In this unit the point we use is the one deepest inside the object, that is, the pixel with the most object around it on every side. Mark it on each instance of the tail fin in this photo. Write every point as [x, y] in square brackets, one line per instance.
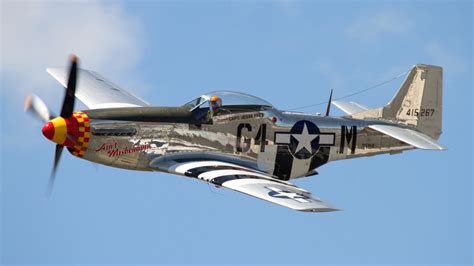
[418, 102]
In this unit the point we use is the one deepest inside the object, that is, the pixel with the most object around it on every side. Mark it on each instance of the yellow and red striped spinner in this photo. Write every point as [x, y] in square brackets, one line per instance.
[73, 132]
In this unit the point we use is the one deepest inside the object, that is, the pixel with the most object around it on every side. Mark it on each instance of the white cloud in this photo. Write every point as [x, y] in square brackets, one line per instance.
[40, 34]
[36, 35]
[371, 27]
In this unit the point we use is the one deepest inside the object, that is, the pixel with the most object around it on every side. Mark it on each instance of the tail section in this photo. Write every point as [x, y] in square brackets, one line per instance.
[417, 103]
[419, 100]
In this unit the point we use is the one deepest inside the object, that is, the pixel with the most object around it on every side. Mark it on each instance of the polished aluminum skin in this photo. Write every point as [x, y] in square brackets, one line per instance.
[236, 140]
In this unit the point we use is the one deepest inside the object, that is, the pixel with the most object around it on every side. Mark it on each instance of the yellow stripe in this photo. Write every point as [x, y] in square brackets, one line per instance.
[60, 130]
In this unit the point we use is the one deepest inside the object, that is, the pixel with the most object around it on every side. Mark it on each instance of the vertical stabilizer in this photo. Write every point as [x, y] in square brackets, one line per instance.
[418, 102]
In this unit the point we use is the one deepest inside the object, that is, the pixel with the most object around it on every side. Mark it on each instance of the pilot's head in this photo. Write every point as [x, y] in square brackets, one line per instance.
[216, 102]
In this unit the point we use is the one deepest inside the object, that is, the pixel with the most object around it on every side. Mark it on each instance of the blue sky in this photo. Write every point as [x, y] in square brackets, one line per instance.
[410, 208]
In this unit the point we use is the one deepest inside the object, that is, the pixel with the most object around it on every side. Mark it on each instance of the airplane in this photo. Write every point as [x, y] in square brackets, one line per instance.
[236, 140]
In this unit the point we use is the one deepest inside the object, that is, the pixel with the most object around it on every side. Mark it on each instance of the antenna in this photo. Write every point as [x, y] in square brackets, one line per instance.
[329, 104]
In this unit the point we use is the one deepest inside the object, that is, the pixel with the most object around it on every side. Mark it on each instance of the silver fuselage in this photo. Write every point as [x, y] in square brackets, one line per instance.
[262, 140]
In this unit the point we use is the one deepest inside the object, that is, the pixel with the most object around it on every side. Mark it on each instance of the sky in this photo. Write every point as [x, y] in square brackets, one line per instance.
[411, 208]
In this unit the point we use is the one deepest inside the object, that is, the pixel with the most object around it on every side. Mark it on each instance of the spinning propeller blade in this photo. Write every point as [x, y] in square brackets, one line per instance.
[69, 99]
[57, 157]
[34, 105]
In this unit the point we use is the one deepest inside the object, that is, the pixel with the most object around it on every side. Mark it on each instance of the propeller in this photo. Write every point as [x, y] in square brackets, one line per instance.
[35, 106]
[328, 108]
[57, 157]
[69, 99]
[66, 111]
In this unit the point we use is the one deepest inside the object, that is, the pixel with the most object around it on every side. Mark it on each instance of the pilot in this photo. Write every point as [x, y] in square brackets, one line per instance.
[216, 103]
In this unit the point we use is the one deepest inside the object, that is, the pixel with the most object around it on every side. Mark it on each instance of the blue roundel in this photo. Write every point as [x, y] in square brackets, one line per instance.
[304, 140]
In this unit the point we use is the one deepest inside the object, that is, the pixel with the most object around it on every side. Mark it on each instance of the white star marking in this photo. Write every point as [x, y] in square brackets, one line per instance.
[304, 140]
[290, 195]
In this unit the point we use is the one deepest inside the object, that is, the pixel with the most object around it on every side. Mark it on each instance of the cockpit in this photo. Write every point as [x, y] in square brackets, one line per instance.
[227, 102]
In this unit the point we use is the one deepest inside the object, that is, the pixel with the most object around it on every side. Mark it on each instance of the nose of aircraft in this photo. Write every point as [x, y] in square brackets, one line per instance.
[71, 131]
[48, 130]
[56, 130]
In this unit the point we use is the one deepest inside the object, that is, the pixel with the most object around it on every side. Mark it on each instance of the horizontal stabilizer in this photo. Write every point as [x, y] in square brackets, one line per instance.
[350, 107]
[409, 136]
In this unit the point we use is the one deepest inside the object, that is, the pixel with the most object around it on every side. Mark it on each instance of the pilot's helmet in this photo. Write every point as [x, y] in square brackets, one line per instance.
[216, 101]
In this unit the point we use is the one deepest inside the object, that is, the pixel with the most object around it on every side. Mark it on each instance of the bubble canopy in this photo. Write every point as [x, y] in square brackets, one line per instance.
[230, 98]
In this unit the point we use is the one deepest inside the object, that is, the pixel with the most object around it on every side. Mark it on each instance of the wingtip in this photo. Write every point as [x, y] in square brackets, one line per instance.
[329, 209]
[442, 147]
[438, 147]
[52, 70]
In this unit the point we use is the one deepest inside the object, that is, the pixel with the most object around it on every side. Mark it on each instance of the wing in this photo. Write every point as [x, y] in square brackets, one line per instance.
[247, 181]
[96, 92]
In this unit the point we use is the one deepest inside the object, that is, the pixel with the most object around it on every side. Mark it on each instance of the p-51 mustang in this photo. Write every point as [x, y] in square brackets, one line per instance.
[236, 140]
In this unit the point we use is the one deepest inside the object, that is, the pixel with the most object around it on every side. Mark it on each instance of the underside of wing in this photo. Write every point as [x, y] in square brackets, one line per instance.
[247, 181]
[96, 92]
